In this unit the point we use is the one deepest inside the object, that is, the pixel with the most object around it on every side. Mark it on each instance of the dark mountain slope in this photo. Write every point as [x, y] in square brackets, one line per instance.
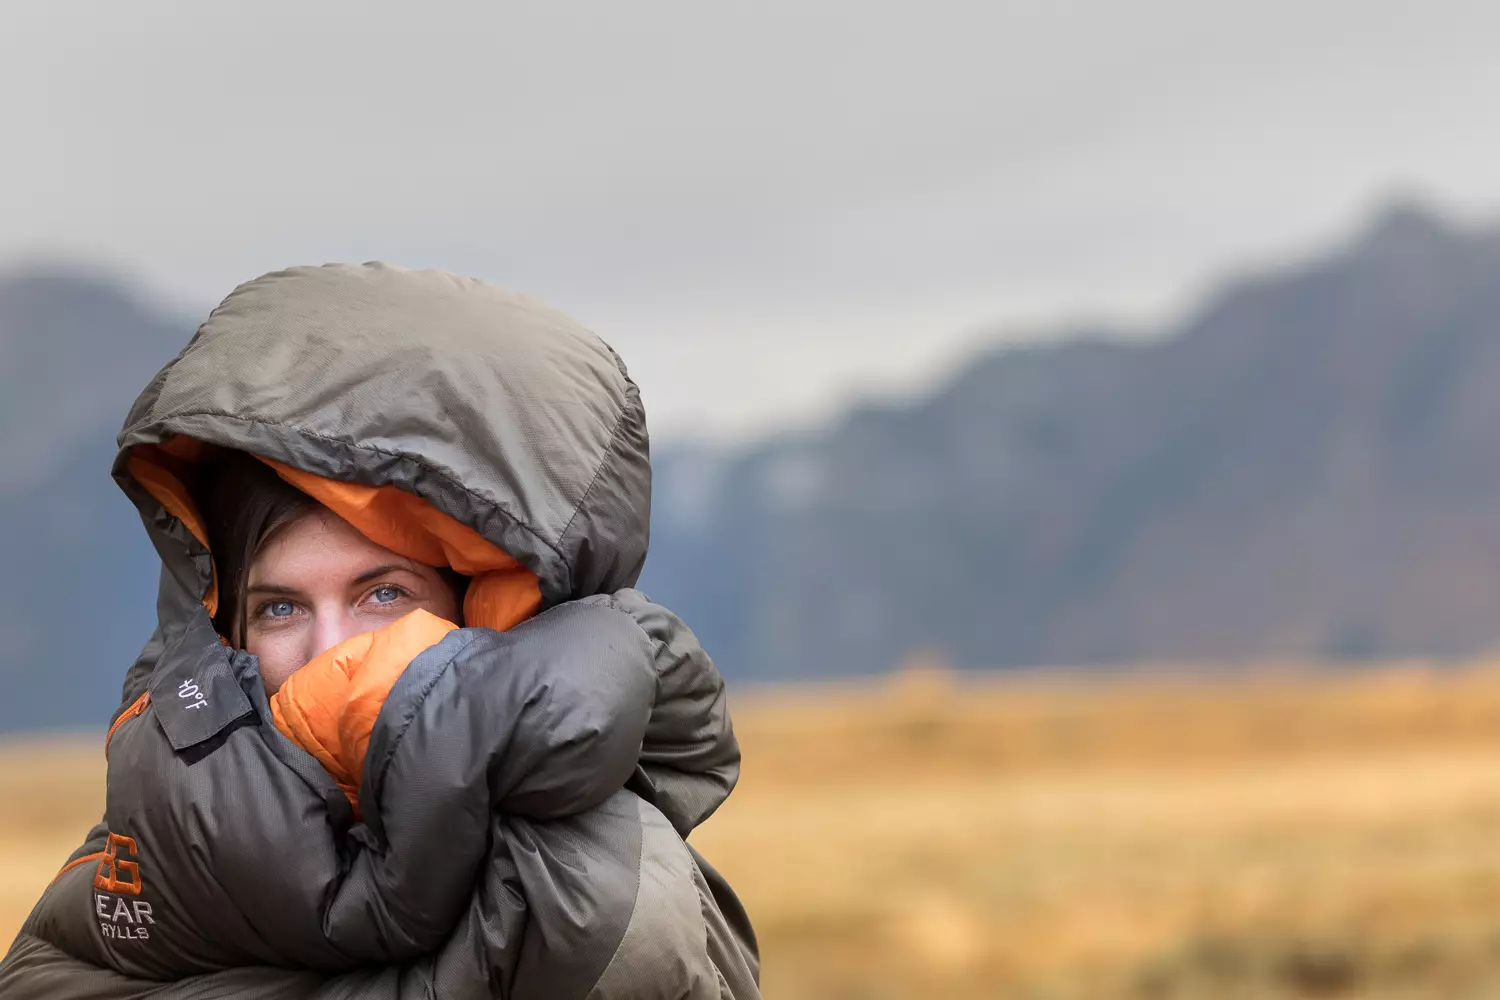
[1310, 466]
[78, 587]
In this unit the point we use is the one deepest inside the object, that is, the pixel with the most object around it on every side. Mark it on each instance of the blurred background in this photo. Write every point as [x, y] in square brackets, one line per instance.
[1075, 429]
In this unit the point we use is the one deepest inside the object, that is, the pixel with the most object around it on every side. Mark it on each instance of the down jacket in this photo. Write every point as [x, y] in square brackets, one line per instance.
[518, 828]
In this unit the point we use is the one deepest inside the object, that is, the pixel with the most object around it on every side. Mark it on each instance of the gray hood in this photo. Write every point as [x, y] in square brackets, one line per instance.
[497, 409]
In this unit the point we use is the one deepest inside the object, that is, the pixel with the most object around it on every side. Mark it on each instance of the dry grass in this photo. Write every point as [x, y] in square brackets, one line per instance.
[53, 792]
[1293, 834]
[1060, 837]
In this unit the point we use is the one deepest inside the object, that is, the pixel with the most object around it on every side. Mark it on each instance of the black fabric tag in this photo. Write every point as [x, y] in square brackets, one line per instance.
[193, 688]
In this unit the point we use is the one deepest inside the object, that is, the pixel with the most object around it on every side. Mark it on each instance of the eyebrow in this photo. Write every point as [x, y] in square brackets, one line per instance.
[365, 577]
[369, 575]
[272, 588]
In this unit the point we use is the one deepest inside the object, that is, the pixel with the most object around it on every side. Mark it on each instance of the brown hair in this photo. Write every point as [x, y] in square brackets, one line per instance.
[244, 504]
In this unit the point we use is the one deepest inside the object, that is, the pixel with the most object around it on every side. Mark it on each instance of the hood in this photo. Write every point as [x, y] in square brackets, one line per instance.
[497, 411]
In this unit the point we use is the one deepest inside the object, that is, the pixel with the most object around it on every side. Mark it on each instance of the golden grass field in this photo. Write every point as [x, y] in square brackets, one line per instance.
[1060, 836]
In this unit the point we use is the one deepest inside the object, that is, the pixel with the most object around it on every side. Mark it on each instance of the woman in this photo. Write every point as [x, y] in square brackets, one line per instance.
[319, 784]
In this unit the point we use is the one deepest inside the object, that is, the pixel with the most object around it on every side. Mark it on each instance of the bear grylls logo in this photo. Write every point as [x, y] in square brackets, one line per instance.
[108, 876]
[118, 873]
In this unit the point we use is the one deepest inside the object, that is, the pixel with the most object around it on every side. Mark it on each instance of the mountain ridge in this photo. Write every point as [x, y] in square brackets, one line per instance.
[1302, 466]
[1086, 496]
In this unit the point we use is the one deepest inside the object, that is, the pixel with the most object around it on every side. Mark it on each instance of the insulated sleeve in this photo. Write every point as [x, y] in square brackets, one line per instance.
[538, 723]
[689, 758]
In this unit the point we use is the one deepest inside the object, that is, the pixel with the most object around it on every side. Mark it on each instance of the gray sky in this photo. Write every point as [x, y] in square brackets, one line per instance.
[766, 207]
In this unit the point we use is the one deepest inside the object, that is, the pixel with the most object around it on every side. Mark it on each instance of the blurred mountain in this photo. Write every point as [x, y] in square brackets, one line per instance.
[1308, 466]
[77, 575]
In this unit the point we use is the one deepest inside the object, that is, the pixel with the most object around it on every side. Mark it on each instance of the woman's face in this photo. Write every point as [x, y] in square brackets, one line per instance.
[318, 581]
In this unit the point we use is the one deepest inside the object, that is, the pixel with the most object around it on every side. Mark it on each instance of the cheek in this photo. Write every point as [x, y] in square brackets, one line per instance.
[280, 656]
[446, 605]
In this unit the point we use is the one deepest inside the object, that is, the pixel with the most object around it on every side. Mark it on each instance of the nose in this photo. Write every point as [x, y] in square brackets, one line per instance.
[331, 626]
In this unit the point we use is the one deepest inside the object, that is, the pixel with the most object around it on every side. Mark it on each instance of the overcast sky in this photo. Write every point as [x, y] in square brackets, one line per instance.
[765, 207]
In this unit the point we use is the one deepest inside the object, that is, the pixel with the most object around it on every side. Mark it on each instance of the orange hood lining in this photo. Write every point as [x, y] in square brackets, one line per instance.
[502, 593]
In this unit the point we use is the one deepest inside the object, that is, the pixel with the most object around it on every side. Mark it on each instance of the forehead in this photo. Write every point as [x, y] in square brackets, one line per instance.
[319, 545]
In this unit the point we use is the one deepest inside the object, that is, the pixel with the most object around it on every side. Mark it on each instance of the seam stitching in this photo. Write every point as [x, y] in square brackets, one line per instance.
[75, 863]
[609, 450]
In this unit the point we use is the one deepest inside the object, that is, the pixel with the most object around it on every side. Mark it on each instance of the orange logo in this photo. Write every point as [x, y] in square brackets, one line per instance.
[115, 873]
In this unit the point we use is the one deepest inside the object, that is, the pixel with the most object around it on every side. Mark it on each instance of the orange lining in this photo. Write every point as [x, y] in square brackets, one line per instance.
[329, 706]
[76, 862]
[149, 465]
[136, 708]
[502, 593]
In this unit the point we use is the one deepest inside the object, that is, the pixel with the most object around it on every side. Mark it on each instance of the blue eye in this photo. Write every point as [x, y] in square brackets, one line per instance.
[385, 594]
[276, 609]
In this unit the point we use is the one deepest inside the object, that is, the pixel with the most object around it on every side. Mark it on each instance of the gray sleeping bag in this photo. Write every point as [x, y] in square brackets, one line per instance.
[526, 796]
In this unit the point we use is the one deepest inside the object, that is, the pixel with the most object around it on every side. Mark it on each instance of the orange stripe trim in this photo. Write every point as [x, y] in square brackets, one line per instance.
[136, 708]
[76, 862]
